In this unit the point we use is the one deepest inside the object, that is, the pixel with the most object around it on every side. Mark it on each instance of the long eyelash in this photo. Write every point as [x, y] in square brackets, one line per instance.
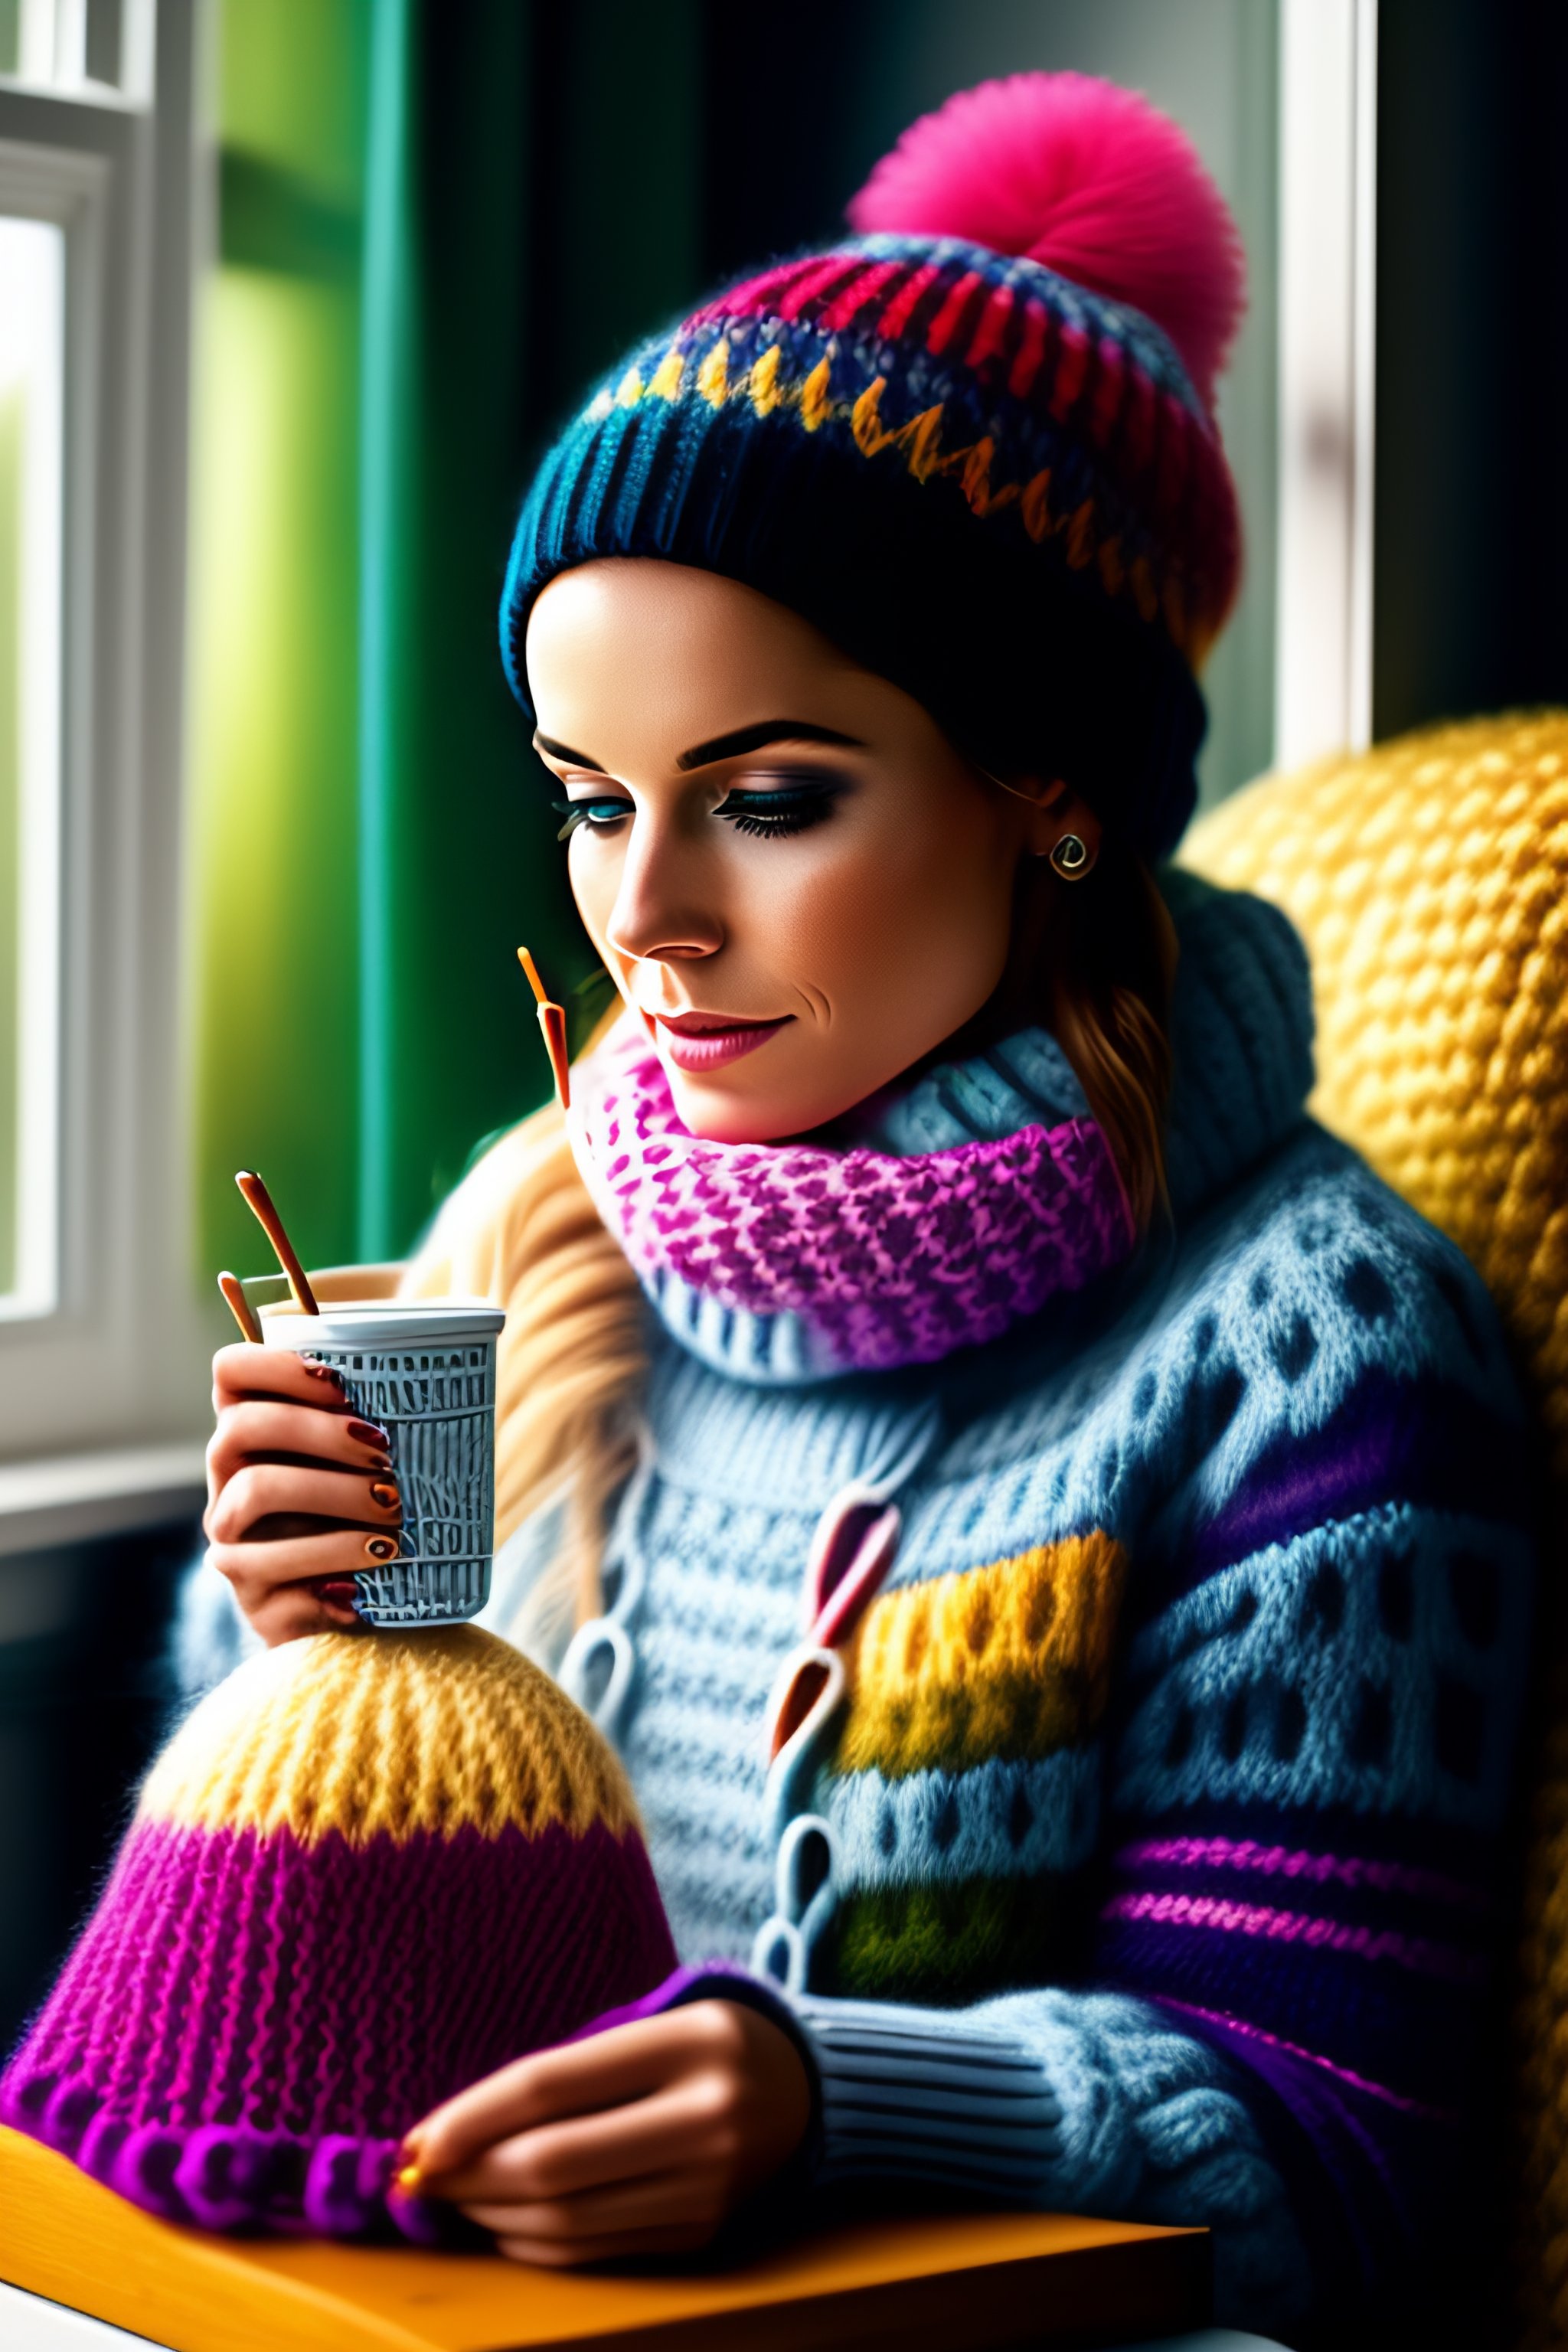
[796, 812]
[776, 827]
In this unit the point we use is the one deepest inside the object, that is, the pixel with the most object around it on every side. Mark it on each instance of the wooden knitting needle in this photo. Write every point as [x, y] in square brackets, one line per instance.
[240, 1307]
[258, 1199]
[553, 1028]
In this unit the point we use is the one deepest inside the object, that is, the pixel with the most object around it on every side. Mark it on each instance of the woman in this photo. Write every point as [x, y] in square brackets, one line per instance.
[941, 1352]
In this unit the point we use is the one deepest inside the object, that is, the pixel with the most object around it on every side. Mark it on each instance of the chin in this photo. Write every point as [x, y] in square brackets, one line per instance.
[726, 1114]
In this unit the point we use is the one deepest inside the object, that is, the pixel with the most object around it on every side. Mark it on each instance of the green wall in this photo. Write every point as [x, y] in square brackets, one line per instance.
[273, 912]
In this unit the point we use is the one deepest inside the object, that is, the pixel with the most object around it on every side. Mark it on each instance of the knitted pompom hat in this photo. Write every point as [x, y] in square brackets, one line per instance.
[367, 1871]
[971, 444]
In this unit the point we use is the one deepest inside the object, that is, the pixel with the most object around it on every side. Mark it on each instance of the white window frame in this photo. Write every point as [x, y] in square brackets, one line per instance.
[1328, 247]
[114, 1359]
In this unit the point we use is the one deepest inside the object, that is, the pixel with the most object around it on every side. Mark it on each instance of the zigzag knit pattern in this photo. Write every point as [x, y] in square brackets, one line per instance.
[366, 1872]
[1041, 446]
[1430, 879]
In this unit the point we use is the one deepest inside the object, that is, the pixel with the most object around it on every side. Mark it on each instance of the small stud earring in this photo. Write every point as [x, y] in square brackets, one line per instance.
[1071, 857]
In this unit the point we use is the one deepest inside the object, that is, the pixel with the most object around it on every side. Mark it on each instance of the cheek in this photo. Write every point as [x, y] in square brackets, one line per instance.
[906, 920]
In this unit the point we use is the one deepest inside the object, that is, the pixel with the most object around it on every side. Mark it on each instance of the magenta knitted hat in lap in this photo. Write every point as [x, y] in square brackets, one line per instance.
[365, 1873]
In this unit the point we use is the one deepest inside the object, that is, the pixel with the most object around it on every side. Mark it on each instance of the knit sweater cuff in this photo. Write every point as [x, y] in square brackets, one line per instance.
[915, 2094]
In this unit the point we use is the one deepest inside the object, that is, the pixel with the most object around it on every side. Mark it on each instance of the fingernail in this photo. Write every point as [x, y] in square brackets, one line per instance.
[382, 1491]
[407, 2177]
[343, 1589]
[320, 1371]
[369, 1433]
[380, 1547]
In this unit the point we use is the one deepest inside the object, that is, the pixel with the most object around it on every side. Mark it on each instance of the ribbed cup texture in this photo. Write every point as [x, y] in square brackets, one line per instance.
[366, 1872]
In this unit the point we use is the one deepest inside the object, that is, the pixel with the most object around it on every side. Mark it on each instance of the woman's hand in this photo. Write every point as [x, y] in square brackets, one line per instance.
[637, 2141]
[300, 1492]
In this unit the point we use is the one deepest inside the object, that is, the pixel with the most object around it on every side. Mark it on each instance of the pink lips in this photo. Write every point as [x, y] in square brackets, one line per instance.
[709, 1045]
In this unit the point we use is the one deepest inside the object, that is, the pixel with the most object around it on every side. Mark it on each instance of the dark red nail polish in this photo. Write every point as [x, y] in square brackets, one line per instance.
[366, 1433]
[383, 1492]
[320, 1371]
[343, 1589]
[380, 1547]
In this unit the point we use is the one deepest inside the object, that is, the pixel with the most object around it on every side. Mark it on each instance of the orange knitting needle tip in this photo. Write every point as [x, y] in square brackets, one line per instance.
[258, 1201]
[541, 995]
[553, 1028]
[240, 1307]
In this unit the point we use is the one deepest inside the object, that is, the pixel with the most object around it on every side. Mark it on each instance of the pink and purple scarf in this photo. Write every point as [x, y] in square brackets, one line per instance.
[876, 1259]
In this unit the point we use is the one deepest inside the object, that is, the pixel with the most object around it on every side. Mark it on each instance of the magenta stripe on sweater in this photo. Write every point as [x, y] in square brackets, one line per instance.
[1318, 1869]
[1414, 1952]
[1312, 2058]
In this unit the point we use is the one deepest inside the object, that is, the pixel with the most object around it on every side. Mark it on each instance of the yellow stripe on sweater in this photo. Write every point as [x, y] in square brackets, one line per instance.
[388, 1734]
[1012, 1660]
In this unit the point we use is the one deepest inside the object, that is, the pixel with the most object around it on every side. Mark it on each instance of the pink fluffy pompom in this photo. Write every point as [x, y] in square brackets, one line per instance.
[1091, 179]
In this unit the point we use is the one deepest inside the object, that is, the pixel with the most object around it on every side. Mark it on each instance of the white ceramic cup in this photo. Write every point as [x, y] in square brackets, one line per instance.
[424, 1369]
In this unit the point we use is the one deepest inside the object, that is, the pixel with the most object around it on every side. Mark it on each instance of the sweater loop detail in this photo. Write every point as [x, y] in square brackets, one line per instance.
[805, 1892]
[599, 1668]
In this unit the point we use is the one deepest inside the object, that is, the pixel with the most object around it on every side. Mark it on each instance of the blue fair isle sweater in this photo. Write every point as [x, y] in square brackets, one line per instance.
[1148, 1865]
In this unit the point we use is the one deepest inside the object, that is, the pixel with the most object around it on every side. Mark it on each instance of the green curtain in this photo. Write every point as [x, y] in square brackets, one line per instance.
[272, 917]
[437, 219]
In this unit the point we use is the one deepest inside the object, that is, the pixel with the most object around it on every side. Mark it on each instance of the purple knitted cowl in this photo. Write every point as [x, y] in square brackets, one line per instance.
[873, 1259]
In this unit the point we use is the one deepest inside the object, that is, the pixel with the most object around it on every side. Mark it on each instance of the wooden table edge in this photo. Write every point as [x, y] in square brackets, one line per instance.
[198, 2293]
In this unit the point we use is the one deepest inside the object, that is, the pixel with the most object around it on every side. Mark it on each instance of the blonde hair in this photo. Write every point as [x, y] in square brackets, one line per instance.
[521, 1231]
[1095, 962]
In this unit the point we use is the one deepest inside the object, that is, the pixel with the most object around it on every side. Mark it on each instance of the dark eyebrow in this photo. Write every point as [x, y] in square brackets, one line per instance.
[568, 759]
[766, 731]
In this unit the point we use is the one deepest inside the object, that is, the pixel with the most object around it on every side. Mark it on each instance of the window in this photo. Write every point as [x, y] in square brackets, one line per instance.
[32, 352]
[100, 1341]
[98, 49]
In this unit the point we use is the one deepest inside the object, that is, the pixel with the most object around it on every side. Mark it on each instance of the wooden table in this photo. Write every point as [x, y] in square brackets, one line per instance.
[942, 2281]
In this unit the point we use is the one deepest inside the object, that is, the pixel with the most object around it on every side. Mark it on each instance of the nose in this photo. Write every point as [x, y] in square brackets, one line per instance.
[662, 911]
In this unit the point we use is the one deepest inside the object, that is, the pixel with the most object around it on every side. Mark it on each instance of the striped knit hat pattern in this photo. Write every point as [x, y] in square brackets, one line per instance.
[365, 1873]
[972, 444]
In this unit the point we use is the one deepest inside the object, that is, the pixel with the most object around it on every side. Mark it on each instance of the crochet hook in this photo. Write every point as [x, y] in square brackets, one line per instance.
[240, 1307]
[258, 1201]
[553, 1028]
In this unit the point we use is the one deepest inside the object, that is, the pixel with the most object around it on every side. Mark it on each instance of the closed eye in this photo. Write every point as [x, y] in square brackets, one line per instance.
[788, 805]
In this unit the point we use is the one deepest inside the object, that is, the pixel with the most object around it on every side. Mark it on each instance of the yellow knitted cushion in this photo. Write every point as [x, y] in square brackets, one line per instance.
[1430, 879]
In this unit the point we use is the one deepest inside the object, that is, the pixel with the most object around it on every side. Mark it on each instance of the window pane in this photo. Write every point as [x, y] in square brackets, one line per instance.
[98, 52]
[32, 290]
[104, 34]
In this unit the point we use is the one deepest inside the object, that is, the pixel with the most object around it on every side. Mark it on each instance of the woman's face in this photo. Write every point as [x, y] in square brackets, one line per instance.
[796, 881]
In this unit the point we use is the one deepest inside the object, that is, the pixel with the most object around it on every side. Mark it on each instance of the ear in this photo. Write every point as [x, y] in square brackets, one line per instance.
[1055, 809]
